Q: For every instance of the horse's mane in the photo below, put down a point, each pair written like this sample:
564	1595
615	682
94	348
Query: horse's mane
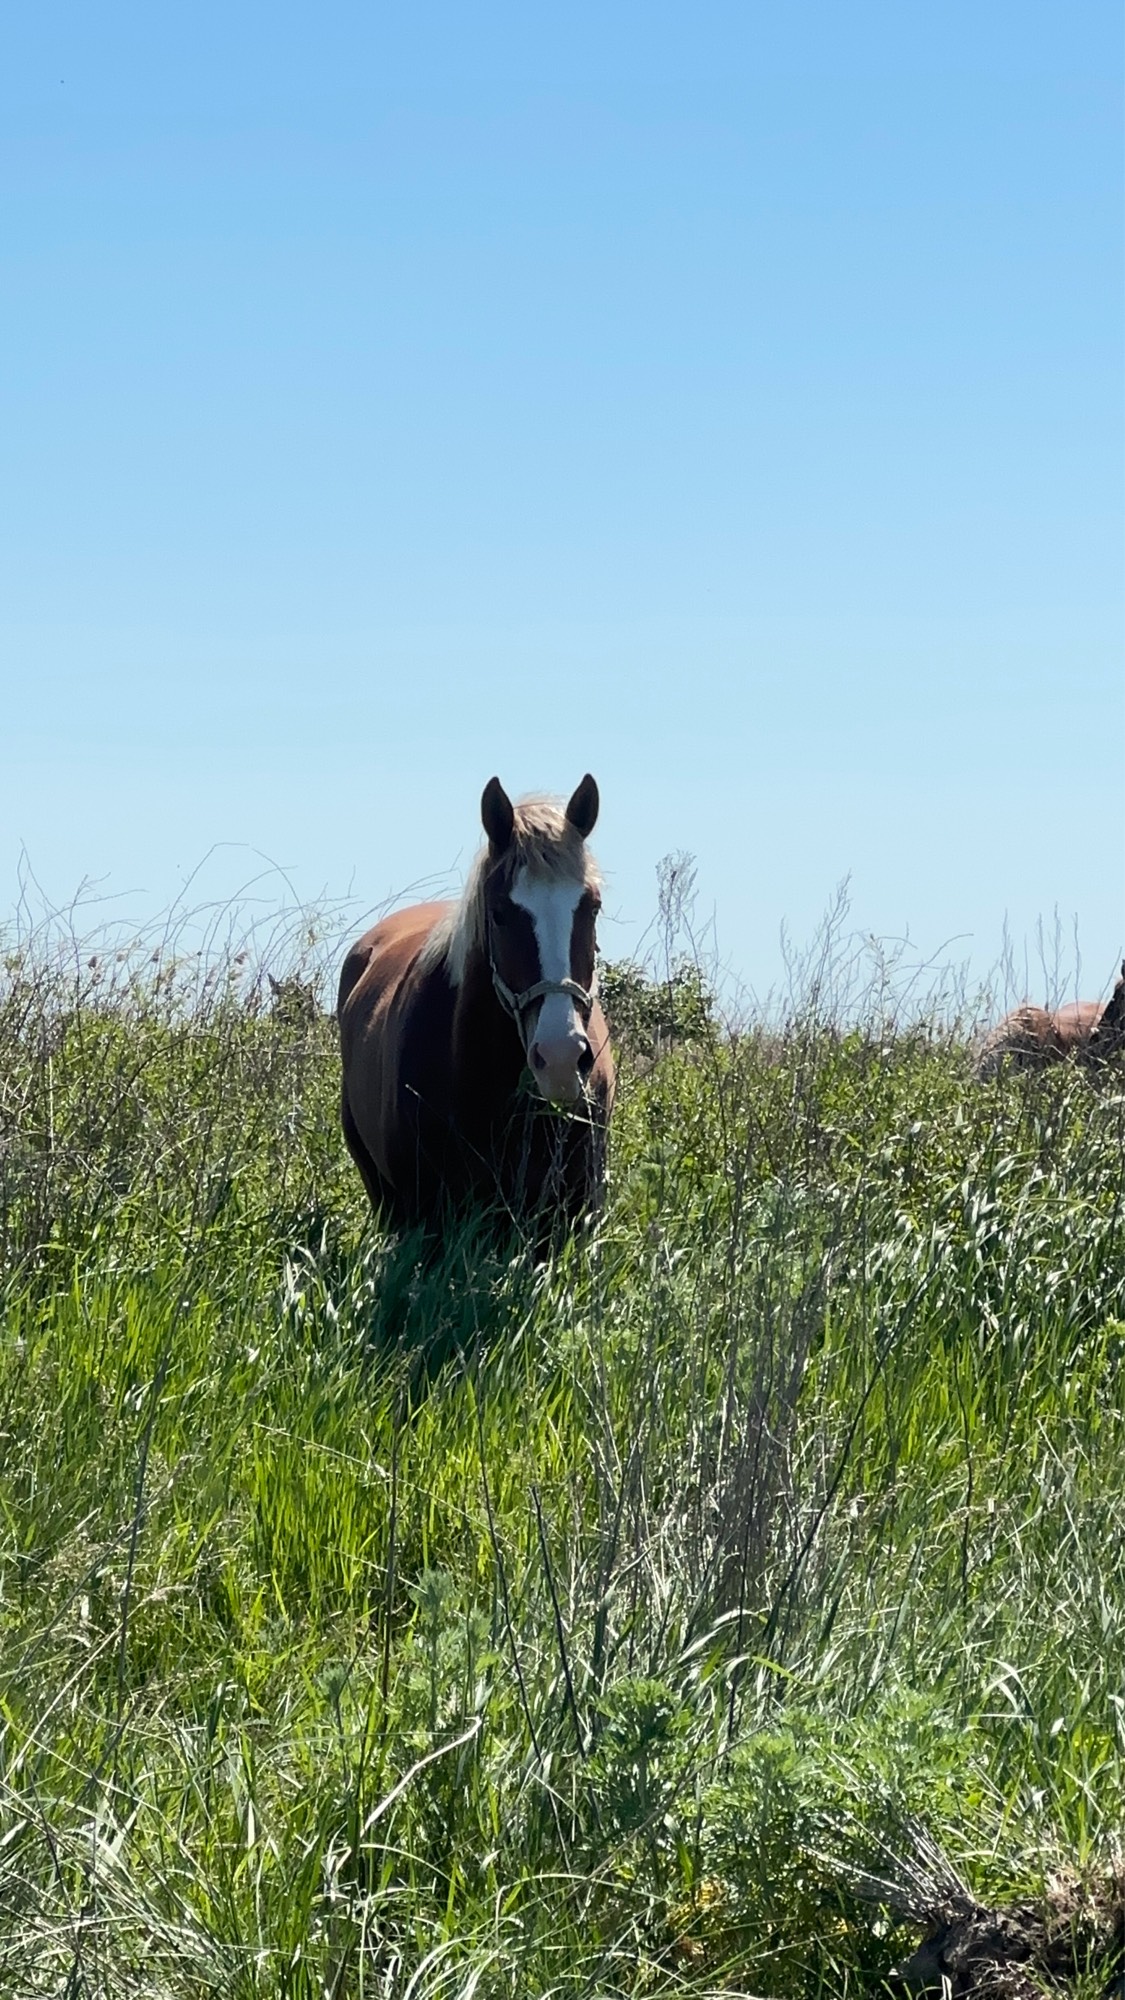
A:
545	843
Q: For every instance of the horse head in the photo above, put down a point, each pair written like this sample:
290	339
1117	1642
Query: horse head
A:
541	903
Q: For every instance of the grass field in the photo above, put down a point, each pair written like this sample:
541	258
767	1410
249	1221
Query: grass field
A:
472	1628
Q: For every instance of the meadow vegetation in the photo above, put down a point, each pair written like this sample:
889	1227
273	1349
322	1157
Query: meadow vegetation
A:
662	1618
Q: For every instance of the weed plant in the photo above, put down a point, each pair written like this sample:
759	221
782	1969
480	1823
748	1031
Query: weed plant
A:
375	1623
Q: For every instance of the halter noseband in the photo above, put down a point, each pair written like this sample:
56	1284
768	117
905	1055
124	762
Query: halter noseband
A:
517	1004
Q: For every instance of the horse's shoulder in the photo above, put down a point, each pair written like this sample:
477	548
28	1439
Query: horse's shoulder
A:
384	955
604	1074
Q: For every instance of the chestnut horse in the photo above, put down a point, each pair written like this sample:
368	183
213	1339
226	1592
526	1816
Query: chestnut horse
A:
1031	1038
476	1059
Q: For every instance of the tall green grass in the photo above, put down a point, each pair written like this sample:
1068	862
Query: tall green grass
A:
382	1624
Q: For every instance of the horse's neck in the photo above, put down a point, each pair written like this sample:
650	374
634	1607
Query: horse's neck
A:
488	1059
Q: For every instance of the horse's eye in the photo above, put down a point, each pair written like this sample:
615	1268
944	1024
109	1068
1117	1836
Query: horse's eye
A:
499	916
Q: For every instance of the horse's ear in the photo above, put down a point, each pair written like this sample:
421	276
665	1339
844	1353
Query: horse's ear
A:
497	817
582	807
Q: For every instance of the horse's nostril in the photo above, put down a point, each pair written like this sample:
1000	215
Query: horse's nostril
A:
538	1059
585	1058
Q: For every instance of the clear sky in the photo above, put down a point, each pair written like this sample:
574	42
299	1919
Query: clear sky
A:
725	399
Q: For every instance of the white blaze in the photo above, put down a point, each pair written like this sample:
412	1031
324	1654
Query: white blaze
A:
559	1031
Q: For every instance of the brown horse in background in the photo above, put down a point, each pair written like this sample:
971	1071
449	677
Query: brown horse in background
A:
445	1009
1032	1037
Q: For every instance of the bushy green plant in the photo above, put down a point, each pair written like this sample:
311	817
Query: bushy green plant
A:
651	1015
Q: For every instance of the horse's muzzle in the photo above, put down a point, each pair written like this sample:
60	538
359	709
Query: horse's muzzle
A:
561	1066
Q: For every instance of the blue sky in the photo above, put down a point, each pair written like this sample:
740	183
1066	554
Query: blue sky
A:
727	400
